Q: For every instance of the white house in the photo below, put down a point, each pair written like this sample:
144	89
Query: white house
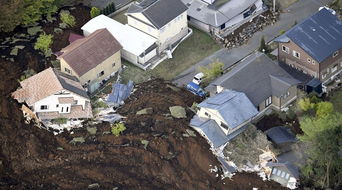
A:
223	116
216	17
52	94
138	48
165	20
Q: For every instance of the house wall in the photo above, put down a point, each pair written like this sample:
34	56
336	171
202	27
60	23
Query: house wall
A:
52	102
199	25
213	114
91	75
282	101
318	70
130	57
310	68
168	34
147	57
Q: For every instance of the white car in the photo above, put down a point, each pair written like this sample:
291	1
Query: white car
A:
198	78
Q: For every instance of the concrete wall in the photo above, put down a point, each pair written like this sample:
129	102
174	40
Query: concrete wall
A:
169	33
91	75
52	102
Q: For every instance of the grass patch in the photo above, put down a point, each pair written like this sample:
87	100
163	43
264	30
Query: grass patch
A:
198	46
134	73
336	99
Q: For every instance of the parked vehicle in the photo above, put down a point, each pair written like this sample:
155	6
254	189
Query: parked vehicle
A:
198	78
195	89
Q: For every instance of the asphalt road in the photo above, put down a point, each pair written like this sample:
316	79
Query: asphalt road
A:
296	12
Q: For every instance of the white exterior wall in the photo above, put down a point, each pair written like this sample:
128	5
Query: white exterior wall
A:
52	101
213	115
163	35
129	56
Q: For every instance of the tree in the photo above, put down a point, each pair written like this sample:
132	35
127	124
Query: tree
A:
118	128
94	12
305	104
67	18
323	134
44	42
324	109
212	71
263	47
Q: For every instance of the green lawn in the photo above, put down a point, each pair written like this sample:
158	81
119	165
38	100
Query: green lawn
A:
336	99
134	73
198	46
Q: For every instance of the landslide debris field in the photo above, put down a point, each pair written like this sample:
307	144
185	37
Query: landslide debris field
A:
33	158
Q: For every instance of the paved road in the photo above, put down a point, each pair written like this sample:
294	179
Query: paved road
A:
296	12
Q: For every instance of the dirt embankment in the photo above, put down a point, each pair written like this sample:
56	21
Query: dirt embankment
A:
33	158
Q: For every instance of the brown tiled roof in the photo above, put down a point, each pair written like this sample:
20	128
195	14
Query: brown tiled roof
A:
46	83
66	100
85	54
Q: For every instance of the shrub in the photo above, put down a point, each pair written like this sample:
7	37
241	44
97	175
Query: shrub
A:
212	71
99	104
59	121
44	42
27	74
324	109
67	18
94	12
305	104
263	46
117	129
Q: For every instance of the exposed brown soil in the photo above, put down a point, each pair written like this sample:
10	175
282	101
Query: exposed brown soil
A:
273	120
33	158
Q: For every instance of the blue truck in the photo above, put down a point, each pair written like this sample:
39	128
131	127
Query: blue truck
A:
195	89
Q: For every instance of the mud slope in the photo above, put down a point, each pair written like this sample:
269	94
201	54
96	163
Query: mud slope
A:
35	159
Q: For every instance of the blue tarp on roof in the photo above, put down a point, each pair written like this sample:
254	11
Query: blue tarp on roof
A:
120	93
319	35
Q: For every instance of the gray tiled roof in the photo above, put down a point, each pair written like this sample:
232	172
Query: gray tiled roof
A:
159	12
216	16
71	83
258	77
234	107
319	35
280	135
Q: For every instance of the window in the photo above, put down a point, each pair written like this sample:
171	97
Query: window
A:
224	126
43	107
335	54
287	94
57	105
287	176
313	62
309	60
274	171
113	64
296	54
62	109
67	70
285	49
100	74
67	109
268	101
279	172
334	68
283	174
76	101
205	113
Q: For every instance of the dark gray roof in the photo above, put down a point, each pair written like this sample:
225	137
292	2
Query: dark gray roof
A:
70	83
258	77
210	129
280	135
159	12
290	167
319	35
234	107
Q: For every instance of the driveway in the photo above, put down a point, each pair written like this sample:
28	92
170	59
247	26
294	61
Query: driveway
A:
296	12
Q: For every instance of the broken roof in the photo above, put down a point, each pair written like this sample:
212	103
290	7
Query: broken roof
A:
216	16
46	83
258	77
290	167
280	135
319	35
85	54
210	129
120	92
158	12
131	39
234	107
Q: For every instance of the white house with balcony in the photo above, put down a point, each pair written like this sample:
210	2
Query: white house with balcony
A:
165	20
